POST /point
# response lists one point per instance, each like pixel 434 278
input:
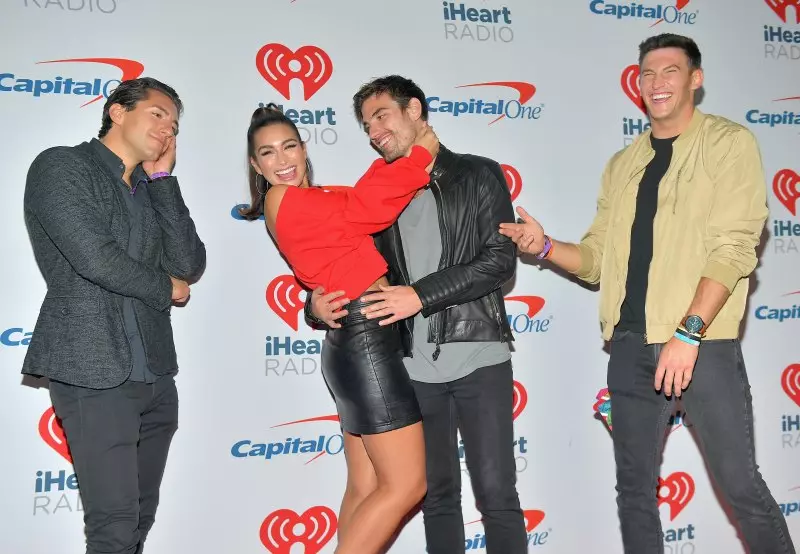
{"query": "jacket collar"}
pixel 643 151
pixel 445 160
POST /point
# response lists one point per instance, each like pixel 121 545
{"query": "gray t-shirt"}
pixel 422 246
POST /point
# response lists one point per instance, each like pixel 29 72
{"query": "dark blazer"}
pixel 79 228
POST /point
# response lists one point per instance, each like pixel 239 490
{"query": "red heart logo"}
pixel 790 381
pixel 532 519
pixel 780 7
pixel 53 434
pixel 312 66
pixel 284 297
pixel 520 399
pixel 279 531
pixel 676 491
pixel 630 86
pixel 513 180
pixel 786 186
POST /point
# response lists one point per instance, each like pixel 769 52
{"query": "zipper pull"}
pixel 436 352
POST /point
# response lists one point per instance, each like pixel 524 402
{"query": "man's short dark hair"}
pixel 129 93
pixel 401 90
pixel 669 40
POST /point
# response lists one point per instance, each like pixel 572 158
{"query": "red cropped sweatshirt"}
pixel 324 233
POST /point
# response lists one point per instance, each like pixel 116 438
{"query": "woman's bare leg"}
pixel 398 459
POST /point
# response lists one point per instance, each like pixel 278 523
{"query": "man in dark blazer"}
pixel 117 247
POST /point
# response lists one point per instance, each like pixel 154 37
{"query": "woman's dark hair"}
pixel 264 116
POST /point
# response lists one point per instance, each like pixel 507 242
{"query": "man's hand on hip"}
pixel 399 302
pixel 326 306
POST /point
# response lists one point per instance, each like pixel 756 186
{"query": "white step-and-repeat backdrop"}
pixel 547 88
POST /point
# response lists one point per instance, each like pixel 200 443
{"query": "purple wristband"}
pixel 547 246
pixel 159 175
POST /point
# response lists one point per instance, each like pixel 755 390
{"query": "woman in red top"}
pixel 325 235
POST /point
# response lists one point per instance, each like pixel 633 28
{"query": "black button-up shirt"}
pixel 136 198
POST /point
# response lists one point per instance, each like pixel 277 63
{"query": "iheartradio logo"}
pixel 676 491
pixel 284 296
pixel 534 303
pixel 279 66
pixel 781 9
pixel 786 186
pixel 790 381
pixel 283 529
pixel 53 434
pixel 520 399
pixel 513 180
pixel 630 86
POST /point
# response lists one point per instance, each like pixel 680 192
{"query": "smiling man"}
pixel 447 264
pixel 679 217
pixel 117 246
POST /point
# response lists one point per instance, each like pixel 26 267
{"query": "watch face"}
pixel 694 324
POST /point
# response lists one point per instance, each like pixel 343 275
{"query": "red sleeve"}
pixel 377 199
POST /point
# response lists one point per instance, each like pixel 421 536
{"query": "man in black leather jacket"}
pixel 447 264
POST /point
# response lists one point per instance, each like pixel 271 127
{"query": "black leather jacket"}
pixel 463 299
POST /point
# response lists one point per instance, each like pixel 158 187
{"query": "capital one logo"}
pixel 790 382
pixel 676 491
pixel 279 66
pixel 630 86
pixel 283 529
pixel 520 399
pixel 786 186
pixel 284 297
pixel 781 9
pixel 533 303
pixel 9 82
pixel 513 180
pixel 53 434
pixel 504 107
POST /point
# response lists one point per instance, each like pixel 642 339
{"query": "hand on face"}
pixel 165 162
pixel 427 138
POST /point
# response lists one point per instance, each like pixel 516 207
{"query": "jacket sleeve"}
pixel 383 192
pixel 184 253
pixel 59 197
pixel 593 241
pixel 311 319
pixel 496 261
pixel 738 212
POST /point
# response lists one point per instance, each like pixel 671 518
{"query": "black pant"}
pixel 718 403
pixel 481 406
pixel 119 439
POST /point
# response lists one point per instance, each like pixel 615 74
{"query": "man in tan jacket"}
pixel 679 216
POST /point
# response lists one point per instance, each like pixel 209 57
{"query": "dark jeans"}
pixel 718 403
pixel 480 405
pixel 119 439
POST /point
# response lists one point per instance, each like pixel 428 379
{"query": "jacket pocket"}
pixel 71 306
pixel 81 336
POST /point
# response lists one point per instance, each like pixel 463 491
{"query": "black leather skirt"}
pixel 362 363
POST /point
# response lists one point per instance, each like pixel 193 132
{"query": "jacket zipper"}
pixel 497 317
pixel 397 245
pixel 437 332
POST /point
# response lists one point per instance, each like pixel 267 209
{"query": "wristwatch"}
pixel 694 324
